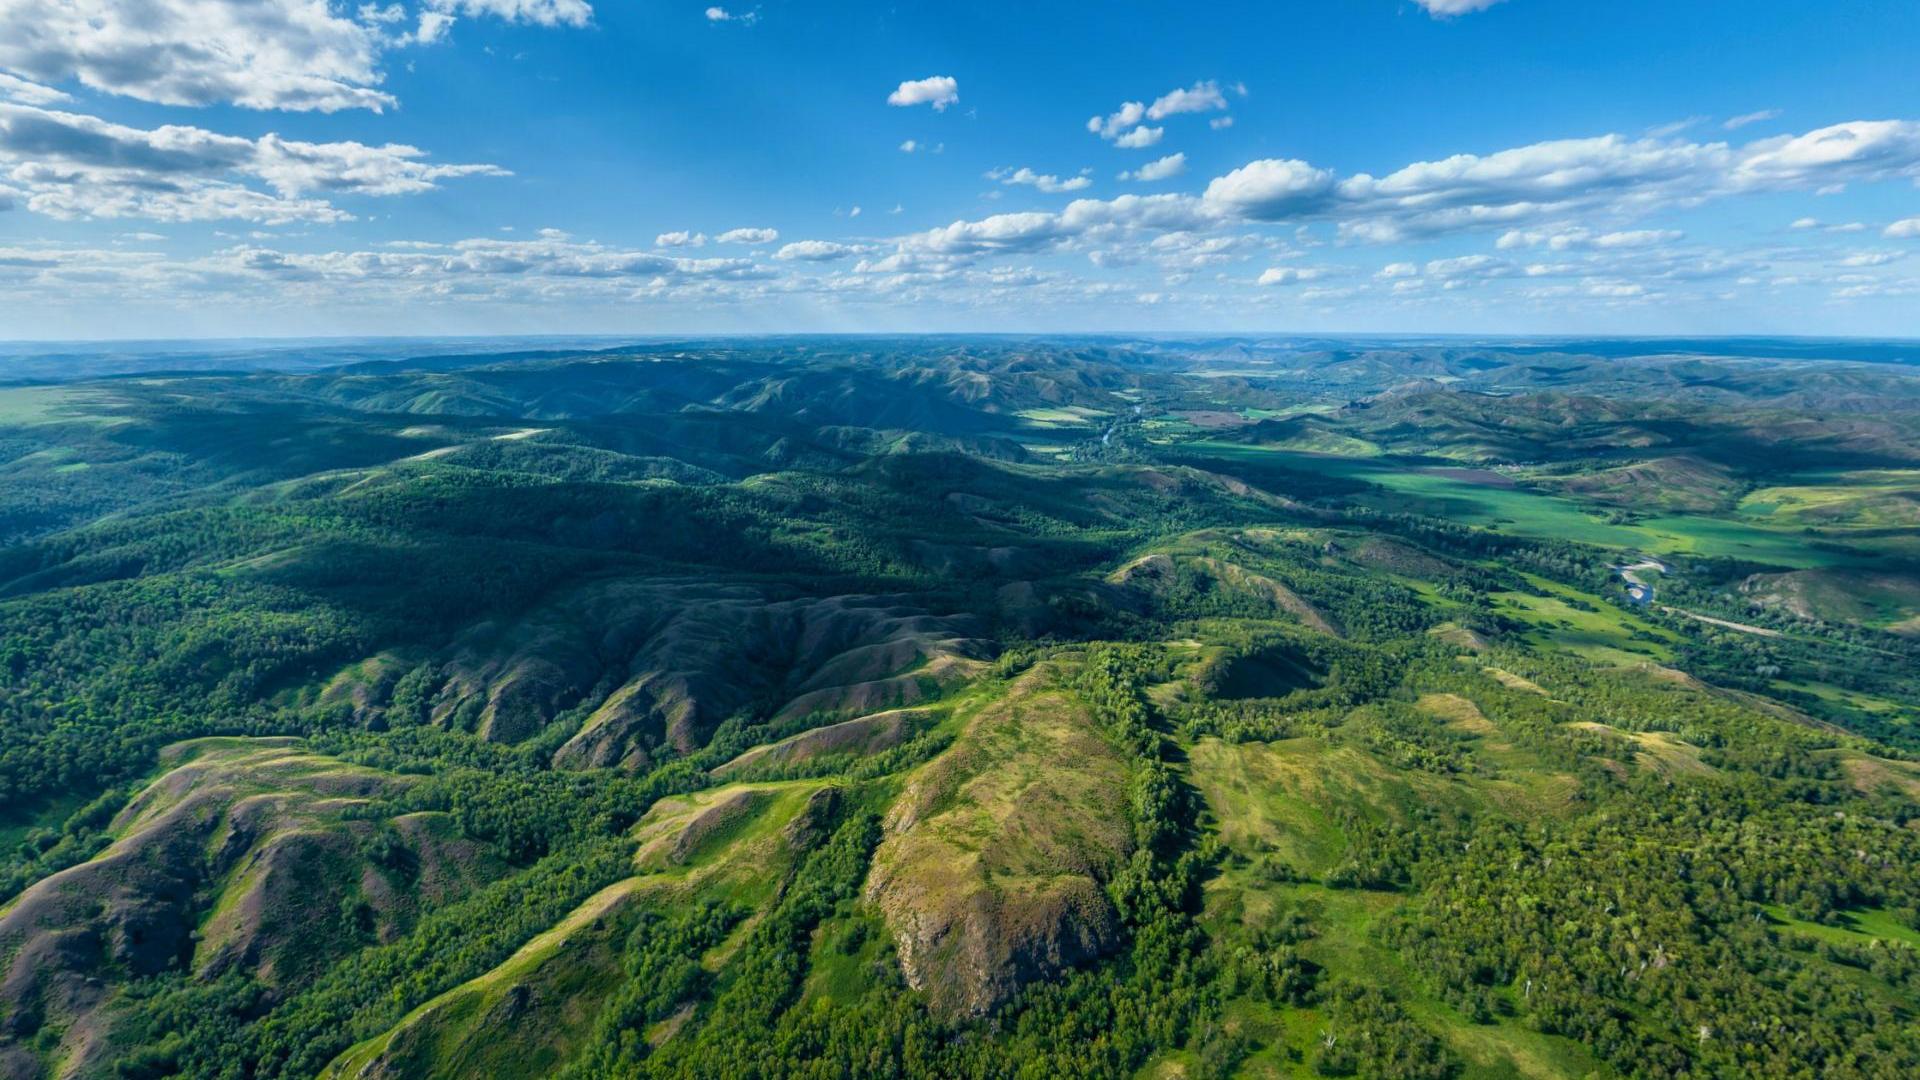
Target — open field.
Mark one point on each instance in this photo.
(1447, 493)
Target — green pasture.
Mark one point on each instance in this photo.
(1524, 512)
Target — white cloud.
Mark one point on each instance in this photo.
(1909, 229)
(1738, 122)
(1609, 174)
(1638, 238)
(1186, 250)
(574, 13)
(539, 272)
(1834, 155)
(909, 146)
(434, 26)
(303, 55)
(1220, 123)
(28, 93)
(1805, 223)
(815, 251)
(1027, 231)
(1118, 122)
(1272, 188)
(68, 165)
(748, 236)
(1575, 238)
(680, 238)
(1675, 127)
(1161, 169)
(1290, 275)
(1467, 269)
(1872, 258)
(1126, 127)
(270, 54)
(938, 91)
(1052, 185)
(1397, 270)
(722, 15)
(1441, 9)
(1201, 97)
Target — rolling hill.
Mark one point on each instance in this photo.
(964, 708)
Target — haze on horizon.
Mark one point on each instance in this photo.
(213, 168)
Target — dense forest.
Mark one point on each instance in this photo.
(963, 709)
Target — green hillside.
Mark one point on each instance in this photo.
(962, 709)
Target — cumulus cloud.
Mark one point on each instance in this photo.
(1027, 231)
(272, 54)
(1161, 169)
(1908, 229)
(1272, 188)
(748, 236)
(1046, 182)
(1545, 180)
(1201, 97)
(1033, 231)
(722, 15)
(938, 91)
(433, 26)
(304, 55)
(70, 165)
(1289, 275)
(1113, 125)
(815, 251)
(1524, 196)
(680, 238)
(1127, 127)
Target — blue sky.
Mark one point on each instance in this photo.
(299, 167)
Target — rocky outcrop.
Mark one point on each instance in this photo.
(992, 870)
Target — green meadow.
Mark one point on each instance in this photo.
(1519, 511)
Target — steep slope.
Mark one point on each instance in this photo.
(254, 855)
(990, 872)
(658, 664)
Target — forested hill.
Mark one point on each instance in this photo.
(965, 708)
